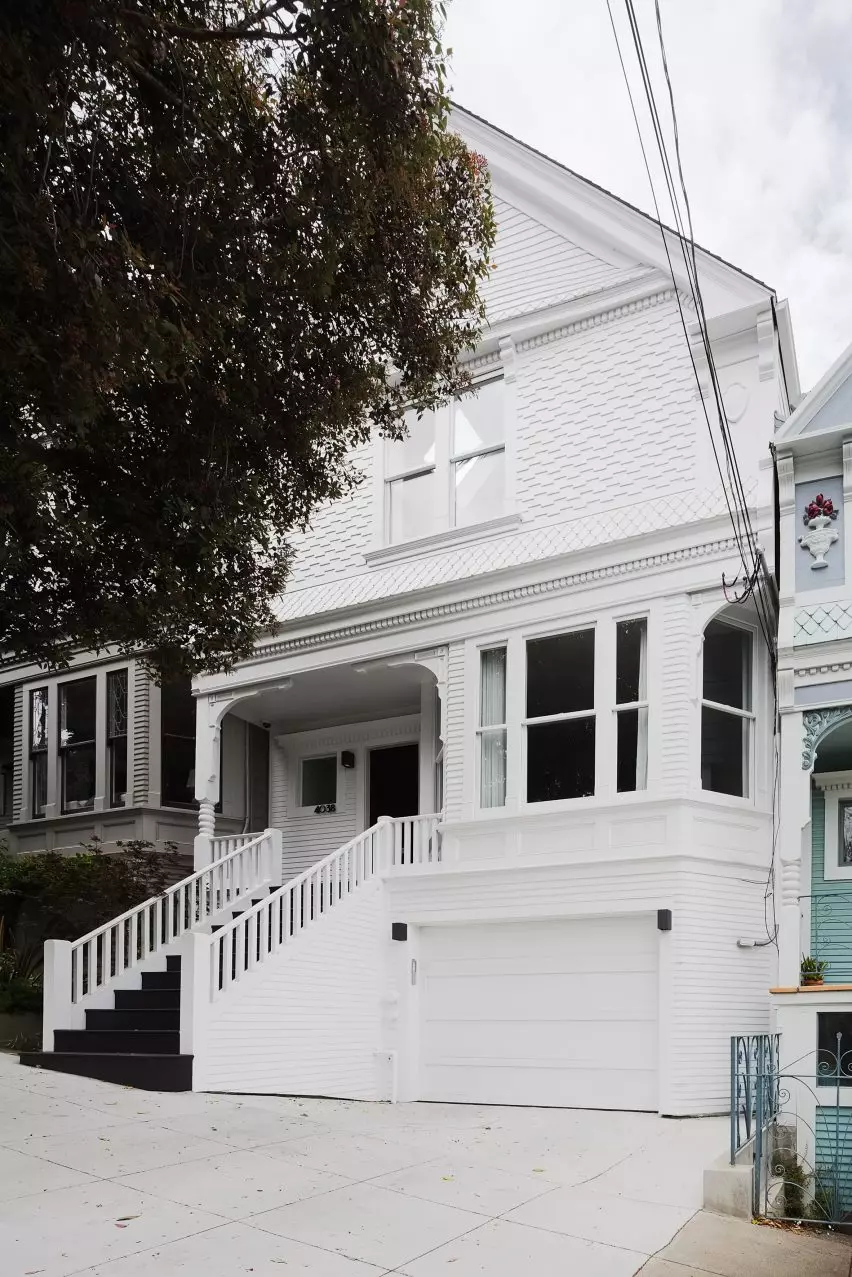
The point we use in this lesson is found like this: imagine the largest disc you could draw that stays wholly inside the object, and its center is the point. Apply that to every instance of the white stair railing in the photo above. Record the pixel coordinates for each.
(77, 970)
(224, 845)
(416, 840)
(260, 931)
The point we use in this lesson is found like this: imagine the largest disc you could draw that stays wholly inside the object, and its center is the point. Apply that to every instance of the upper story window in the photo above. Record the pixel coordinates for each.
(38, 750)
(727, 719)
(450, 470)
(117, 737)
(77, 730)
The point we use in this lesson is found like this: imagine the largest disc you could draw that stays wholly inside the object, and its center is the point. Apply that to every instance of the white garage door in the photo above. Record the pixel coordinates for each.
(551, 1013)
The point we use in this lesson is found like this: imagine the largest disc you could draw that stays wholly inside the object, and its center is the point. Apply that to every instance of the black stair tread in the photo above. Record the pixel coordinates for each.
(146, 1072)
(153, 999)
(173, 962)
(118, 1041)
(161, 980)
(133, 1018)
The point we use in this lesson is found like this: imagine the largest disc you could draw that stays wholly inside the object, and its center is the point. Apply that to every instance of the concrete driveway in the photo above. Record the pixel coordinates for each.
(119, 1183)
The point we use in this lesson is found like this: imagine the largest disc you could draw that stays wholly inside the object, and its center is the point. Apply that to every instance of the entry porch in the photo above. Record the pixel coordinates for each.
(348, 744)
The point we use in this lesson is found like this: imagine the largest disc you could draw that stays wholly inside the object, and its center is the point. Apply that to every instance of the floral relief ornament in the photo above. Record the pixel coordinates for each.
(820, 536)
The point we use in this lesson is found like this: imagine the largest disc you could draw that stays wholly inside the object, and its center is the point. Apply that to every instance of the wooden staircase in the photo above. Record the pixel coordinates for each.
(136, 1043)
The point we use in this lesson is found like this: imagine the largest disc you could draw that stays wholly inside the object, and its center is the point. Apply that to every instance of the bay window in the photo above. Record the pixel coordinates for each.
(117, 737)
(726, 710)
(492, 728)
(449, 472)
(560, 717)
(631, 709)
(77, 730)
(38, 750)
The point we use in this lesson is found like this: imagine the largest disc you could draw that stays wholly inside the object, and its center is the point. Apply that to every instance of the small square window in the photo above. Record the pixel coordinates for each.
(834, 1048)
(319, 781)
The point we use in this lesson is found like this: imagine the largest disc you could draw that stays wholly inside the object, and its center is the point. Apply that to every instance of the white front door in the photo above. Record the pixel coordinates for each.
(559, 1013)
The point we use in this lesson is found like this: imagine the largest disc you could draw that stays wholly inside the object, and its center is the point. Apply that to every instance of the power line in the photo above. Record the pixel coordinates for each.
(751, 555)
(732, 485)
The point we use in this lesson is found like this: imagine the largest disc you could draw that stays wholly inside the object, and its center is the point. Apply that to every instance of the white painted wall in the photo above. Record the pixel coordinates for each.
(307, 1022)
(308, 836)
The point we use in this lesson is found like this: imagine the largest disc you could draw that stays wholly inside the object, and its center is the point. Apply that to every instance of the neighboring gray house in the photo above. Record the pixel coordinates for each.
(99, 749)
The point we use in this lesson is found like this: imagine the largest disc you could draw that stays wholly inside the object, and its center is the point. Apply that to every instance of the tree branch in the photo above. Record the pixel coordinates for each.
(241, 31)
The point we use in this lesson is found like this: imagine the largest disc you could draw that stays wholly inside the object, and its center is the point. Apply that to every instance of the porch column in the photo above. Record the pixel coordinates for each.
(794, 826)
(207, 777)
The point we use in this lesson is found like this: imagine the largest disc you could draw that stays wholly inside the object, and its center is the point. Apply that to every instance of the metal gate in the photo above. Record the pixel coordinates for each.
(796, 1121)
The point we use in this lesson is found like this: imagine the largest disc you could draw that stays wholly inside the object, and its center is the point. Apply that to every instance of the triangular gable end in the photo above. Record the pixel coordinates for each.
(535, 267)
(594, 221)
(827, 408)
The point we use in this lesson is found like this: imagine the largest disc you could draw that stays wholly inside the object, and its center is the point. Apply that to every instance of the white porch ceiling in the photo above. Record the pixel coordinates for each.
(339, 694)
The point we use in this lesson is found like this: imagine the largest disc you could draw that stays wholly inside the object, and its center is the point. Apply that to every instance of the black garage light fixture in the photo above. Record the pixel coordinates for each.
(664, 919)
(399, 931)
(347, 758)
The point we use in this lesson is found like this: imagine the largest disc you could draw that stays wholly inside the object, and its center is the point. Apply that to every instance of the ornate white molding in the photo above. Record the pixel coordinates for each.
(595, 321)
(478, 363)
(837, 667)
(508, 358)
(816, 724)
(484, 601)
(847, 467)
(786, 483)
(765, 345)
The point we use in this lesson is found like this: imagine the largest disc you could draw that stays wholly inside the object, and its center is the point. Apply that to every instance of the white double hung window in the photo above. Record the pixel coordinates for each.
(727, 718)
(491, 733)
(631, 708)
(450, 470)
(560, 717)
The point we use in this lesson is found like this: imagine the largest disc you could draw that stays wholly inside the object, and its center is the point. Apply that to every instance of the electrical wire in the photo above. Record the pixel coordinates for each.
(744, 533)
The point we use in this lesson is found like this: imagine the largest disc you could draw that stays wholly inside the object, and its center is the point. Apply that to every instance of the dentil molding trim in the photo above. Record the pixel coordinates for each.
(481, 602)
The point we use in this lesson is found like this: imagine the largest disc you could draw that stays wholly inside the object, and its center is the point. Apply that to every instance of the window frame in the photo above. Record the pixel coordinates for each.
(620, 707)
(836, 789)
(310, 809)
(38, 753)
(112, 739)
(749, 771)
(482, 730)
(447, 458)
(65, 749)
(526, 722)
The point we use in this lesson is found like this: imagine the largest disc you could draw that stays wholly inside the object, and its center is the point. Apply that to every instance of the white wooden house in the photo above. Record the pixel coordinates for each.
(520, 763)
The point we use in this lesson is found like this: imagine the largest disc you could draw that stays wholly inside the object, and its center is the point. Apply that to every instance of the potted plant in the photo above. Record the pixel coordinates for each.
(812, 970)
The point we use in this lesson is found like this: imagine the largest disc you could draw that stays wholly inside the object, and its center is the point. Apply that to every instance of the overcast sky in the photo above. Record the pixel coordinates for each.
(763, 92)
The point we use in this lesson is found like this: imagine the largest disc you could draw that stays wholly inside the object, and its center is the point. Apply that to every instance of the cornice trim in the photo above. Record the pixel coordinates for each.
(485, 601)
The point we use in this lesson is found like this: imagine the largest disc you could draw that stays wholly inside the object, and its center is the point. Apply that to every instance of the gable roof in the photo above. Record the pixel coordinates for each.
(535, 267)
(596, 221)
(824, 413)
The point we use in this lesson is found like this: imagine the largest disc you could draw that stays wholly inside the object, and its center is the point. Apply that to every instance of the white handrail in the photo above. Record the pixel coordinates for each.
(258, 932)
(102, 955)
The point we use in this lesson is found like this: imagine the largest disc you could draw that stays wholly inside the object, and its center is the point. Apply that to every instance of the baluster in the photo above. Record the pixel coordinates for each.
(91, 965)
(77, 974)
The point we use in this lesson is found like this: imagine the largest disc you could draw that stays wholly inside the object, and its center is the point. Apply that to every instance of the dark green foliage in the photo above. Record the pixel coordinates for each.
(221, 223)
(56, 897)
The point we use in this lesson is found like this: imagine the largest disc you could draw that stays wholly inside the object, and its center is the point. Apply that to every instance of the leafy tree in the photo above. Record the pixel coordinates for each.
(221, 224)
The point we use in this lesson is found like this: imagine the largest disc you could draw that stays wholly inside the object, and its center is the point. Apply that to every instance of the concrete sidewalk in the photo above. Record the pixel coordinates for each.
(723, 1247)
